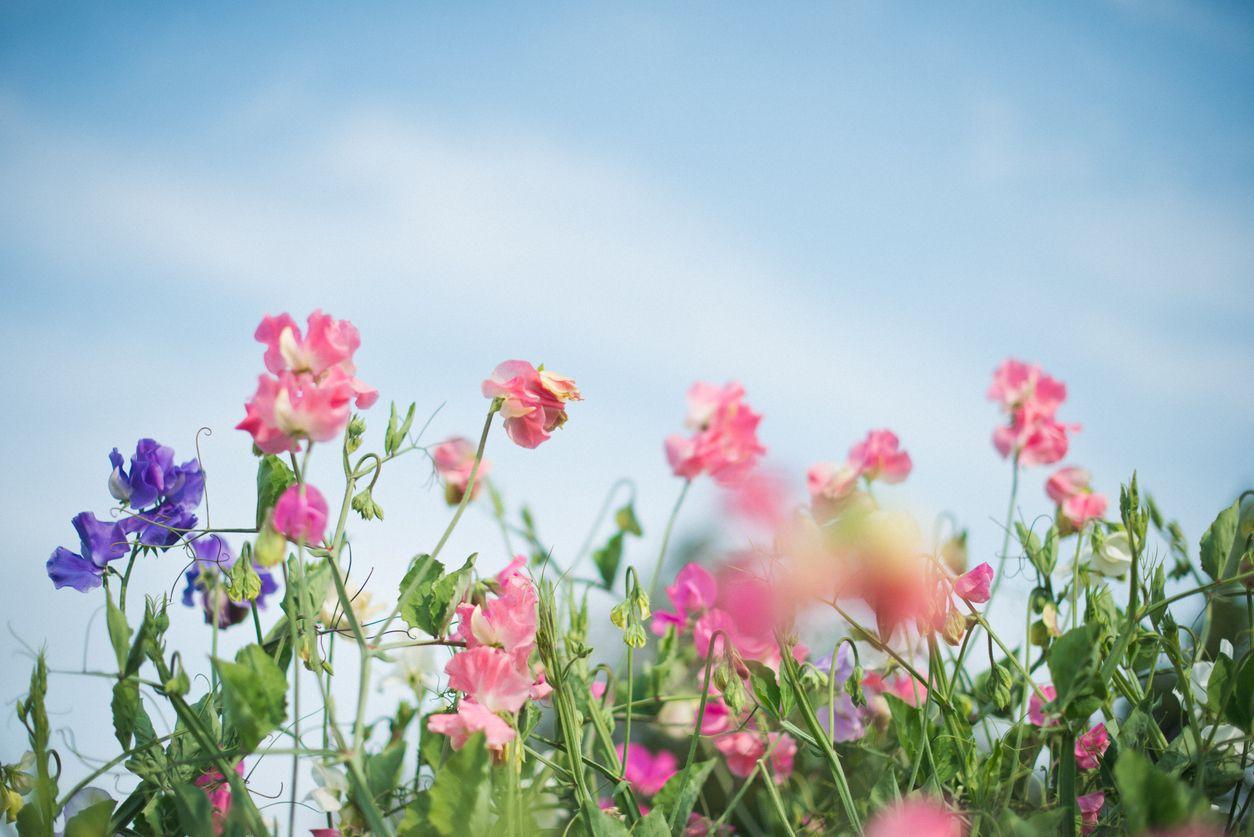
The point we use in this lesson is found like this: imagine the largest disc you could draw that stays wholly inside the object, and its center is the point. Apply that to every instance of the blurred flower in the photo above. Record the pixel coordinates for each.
(414, 669)
(331, 613)
(830, 483)
(218, 790)
(1016, 383)
(454, 460)
(1091, 746)
(99, 543)
(916, 818)
(470, 718)
(332, 787)
(742, 750)
(878, 457)
(530, 408)
(724, 442)
(1036, 707)
(1030, 398)
(300, 515)
(974, 585)
(1069, 488)
(645, 771)
(1067, 482)
(1090, 806)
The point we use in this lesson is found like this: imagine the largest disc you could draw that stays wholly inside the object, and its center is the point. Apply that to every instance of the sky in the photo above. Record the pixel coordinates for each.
(856, 210)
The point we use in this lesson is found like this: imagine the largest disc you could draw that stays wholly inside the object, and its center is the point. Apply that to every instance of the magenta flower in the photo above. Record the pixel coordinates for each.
(454, 460)
(645, 771)
(1090, 806)
(1091, 746)
(916, 818)
(328, 344)
(216, 787)
(1036, 707)
(533, 402)
(489, 677)
(470, 718)
(724, 443)
(301, 514)
(879, 456)
(974, 585)
(742, 750)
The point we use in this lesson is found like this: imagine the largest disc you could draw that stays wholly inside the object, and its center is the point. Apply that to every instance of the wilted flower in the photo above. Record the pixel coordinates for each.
(454, 460)
(99, 543)
(532, 410)
(300, 515)
(724, 443)
(1091, 746)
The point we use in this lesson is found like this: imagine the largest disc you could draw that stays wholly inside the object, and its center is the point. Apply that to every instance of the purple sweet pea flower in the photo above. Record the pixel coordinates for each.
(848, 719)
(214, 559)
(100, 542)
(153, 477)
(162, 527)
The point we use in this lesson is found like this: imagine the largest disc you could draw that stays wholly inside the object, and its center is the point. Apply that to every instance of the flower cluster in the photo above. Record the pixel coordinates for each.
(724, 442)
(533, 401)
(1077, 502)
(1030, 398)
(494, 671)
(877, 457)
(311, 384)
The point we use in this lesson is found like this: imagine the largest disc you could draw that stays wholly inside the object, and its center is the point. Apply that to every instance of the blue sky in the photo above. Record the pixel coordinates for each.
(856, 209)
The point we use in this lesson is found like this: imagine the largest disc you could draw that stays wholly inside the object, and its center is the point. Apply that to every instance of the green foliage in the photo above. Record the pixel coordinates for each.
(428, 595)
(458, 800)
(92, 821)
(243, 583)
(1217, 543)
(398, 429)
(680, 792)
(254, 695)
(1150, 797)
(1074, 666)
(776, 698)
(273, 478)
(37, 815)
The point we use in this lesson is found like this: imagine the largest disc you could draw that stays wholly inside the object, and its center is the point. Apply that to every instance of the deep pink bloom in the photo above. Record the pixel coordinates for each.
(878, 457)
(974, 585)
(324, 832)
(1091, 746)
(646, 771)
(1016, 383)
(916, 818)
(513, 568)
(454, 460)
(694, 589)
(724, 443)
(490, 677)
(531, 409)
(1036, 707)
(328, 344)
(717, 717)
(1066, 483)
(1090, 806)
(540, 689)
(301, 514)
(742, 750)
(507, 621)
(218, 790)
(1084, 507)
(470, 718)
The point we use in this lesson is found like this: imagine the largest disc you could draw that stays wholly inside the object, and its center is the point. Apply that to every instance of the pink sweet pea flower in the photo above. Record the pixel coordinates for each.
(1091, 746)
(513, 568)
(878, 457)
(1090, 806)
(490, 677)
(694, 589)
(916, 818)
(742, 750)
(216, 787)
(830, 482)
(530, 408)
(717, 717)
(324, 832)
(1084, 507)
(453, 461)
(725, 443)
(974, 585)
(507, 621)
(291, 407)
(1066, 483)
(328, 344)
(1036, 707)
(1016, 383)
(300, 515)
(470, 718)
(646, 772)
(1034, 435)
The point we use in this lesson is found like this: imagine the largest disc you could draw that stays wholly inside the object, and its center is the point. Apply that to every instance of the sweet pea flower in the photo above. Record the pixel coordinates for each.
(645, 771)
(154, 477)
(328, 344)
(1091, 746)
(1084, 507)
(916, 818)
(1036, 437)
(533, 402)
(974, 585)
(162, 527)
(1066, 483)
(694, 591)
(724, 443)
(507, 621)
(99, 543)
(490, 677)
(218, 790)
(1036, 707)
(454, 460)
(1016, 383)
(742, 750)
(214, 559)
(878, 456)
(830, 482)
(300, 515)
(470, 718)
(1090, 806)
(1113, 557)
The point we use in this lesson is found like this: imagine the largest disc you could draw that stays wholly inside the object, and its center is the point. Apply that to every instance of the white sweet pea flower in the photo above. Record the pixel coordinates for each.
(331, 614)
(414, 669)
(332, 788)
(1114, 558)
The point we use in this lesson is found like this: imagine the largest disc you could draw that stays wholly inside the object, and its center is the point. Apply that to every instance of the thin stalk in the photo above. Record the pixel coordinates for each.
(1010, 518)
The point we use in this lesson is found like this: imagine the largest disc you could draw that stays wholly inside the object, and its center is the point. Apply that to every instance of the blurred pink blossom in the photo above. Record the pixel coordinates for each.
(300, 515)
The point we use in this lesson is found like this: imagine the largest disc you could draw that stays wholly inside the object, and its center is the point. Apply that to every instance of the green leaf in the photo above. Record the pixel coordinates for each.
(776, 698)
(459, 799)
(679, 794)
(384, 768)
(1241, 708)
(195, 812)
(652, 824)
(273, 478)
(37, 815)
(429, 595)
(1217, 542)
(626, 521)
(254, 695)
(1074, 669)
(119, 631)
(397, 430)
(125, 705)
(1150, 797)
(607, 559)
(92, 821)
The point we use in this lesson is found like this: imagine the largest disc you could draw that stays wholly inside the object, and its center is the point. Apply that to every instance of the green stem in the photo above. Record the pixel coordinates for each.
(1005, 540)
